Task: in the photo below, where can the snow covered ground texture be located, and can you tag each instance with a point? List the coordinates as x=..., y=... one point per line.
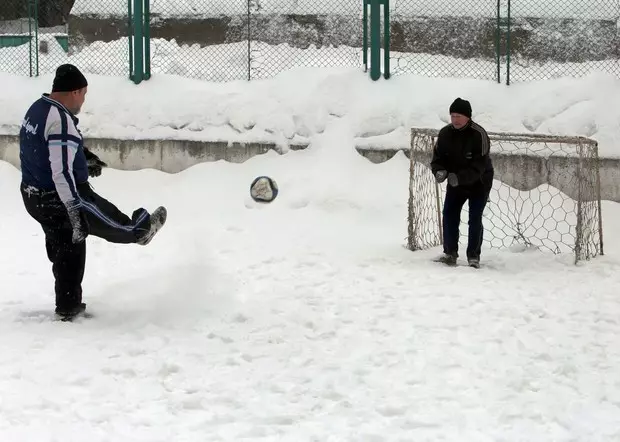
x=306, y=319
x=303, y=320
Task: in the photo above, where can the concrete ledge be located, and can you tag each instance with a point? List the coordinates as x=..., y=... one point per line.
x=172, y=156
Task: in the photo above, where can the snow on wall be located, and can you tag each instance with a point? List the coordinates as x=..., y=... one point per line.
x=584, y=9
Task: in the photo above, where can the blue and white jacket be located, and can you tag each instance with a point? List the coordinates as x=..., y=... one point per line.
x=51, y=150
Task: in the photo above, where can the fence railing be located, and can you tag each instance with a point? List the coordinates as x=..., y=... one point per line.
x=217, y=40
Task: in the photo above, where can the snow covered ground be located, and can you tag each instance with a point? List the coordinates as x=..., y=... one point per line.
x=303, y=320
x=306, y=319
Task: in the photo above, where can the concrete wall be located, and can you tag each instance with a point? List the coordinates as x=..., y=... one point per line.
x=172, y=156
x=540, y=39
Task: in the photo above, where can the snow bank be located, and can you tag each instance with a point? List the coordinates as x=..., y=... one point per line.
x=298, y=105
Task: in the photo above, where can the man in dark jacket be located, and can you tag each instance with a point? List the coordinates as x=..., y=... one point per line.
x=461, y=156
x=55, y=169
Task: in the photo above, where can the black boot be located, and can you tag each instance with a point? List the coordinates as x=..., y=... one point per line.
x=448, y=259
x=68, y=314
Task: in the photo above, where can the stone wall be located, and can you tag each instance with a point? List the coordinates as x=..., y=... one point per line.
x=560, y=40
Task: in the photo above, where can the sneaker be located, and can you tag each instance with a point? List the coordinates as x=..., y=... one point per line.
x=67, y=314
x=158, y=219
x=447, y=259
x=474, y=262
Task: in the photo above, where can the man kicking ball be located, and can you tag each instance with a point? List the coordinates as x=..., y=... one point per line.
x=55, y=169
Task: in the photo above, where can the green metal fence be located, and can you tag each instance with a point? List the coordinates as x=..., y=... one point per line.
x=38, y=35
x=549, y=39
x=234, y=40
x=505, y=40
x=443, y=38
x=223, y=40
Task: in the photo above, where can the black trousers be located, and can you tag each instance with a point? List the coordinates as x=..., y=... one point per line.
x=456, y=197
x=103, y=220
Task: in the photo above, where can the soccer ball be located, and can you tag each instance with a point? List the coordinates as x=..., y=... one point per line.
x=263, y=189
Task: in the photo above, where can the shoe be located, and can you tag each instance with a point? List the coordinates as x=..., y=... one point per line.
x=67, y=314
x=474, y=262
x=158, y=219
x=447, y=258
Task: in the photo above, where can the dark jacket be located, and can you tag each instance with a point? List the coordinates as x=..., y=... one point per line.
x=52, y=151
x=464, y=152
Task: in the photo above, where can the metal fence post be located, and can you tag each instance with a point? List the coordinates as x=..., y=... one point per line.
x=386, y=38
x=130, y=38
x=139, y=40
x=365, y=35
x=375, y=38
x=508, y=46
x=498, y=40
x=147, y=39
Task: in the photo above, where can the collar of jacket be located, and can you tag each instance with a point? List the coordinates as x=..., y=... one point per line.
x=61, y=106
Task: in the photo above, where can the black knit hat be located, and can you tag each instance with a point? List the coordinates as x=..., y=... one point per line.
x=68, y=78
x=460, y=106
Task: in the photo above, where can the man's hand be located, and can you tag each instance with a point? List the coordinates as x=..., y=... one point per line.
x=453, y=180
x=94, y=163
x=78, y=222
x=441, y=176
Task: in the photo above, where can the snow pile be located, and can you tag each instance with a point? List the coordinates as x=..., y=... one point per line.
x=298, y=105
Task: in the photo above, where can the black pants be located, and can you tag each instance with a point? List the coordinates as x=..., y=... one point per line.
x=455, y=199
x=68, y=260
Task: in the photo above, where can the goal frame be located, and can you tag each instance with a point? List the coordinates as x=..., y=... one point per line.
x=582, y=144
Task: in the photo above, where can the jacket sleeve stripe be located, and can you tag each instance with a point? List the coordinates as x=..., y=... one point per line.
x=484, y=139
x=62, y=152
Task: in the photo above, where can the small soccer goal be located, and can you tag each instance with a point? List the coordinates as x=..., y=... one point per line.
x=546, y=195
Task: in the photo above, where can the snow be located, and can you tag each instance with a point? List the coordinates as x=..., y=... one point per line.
x=307, y=319
x=584, y=9
x=277, y=109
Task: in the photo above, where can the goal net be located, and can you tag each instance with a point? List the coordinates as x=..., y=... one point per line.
x=545, y=195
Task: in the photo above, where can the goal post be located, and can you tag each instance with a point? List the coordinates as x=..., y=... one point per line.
x=546, y=194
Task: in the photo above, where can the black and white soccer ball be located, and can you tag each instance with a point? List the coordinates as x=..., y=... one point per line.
x=264, y=189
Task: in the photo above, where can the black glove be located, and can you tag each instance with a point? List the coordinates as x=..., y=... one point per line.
x=453, y=180
x=441, y=176
x=78, y=223
x=94, y=163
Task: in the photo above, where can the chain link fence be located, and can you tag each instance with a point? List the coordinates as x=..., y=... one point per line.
x=219, y=40
x=36, y=36
x=558, y=38
x=444, y=38
x=223, y=41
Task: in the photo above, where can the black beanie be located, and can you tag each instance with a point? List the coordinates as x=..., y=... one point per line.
x=68, y=78
x=460, y=106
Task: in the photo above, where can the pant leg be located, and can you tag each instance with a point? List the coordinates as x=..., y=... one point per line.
x=477, y=202
x=68, y=259
x=106, y=221
x=453, y=204
x=68, y=263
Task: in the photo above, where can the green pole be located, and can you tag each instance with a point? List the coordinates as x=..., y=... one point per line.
x=36, y=35
x=508, y=49
x=498, y=34
x=30, y=18
x=147, y=40
x=386, y=38
x=139, y=42
x=365, y=35
x=375, y=40
x=130, y=39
